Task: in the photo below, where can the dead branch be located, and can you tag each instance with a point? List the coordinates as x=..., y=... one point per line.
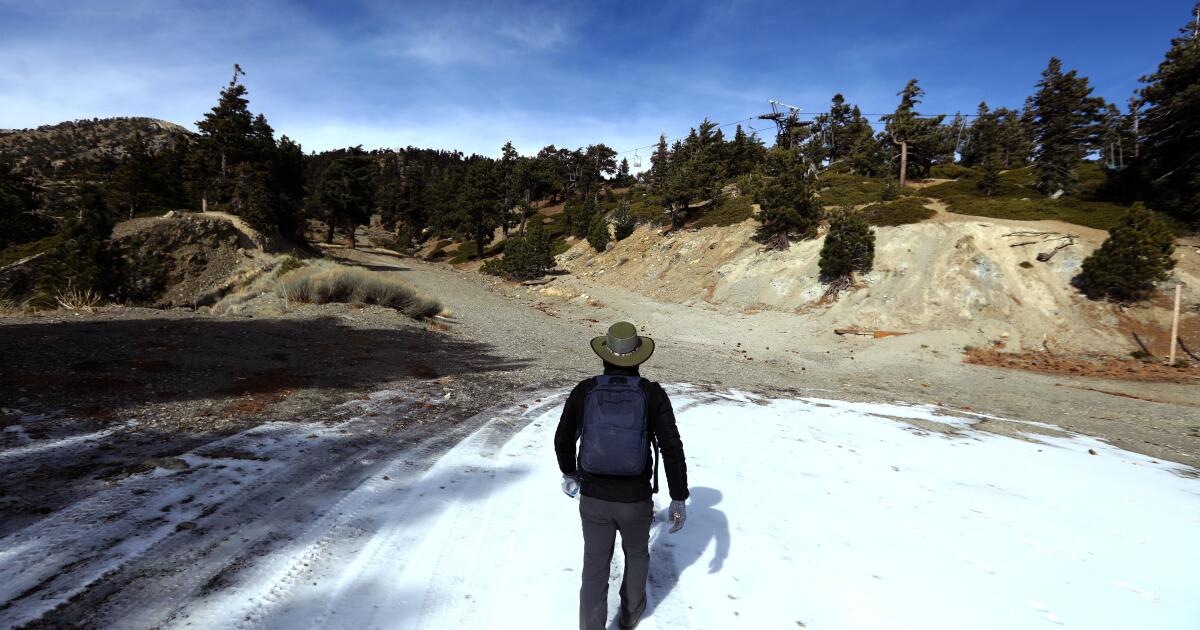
x=1186, y=350
x=1141, y=344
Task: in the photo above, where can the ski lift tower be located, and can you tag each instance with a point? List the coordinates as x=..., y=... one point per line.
x=786, y=118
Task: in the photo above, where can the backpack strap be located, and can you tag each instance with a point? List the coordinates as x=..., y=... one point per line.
x=654, y=445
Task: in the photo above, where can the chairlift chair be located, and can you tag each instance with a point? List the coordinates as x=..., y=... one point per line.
x=637, y=160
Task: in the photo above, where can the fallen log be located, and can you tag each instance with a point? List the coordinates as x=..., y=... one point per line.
x=875, y=334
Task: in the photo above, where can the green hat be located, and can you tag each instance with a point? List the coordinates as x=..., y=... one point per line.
x=622, y=346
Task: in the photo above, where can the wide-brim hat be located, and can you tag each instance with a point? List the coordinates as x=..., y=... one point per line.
x=622, y=346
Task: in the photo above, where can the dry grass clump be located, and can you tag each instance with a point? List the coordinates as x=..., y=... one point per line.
x=75, y=299
x=10, y=307
x=323, y=283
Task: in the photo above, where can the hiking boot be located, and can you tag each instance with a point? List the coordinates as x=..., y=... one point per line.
x=628, y=624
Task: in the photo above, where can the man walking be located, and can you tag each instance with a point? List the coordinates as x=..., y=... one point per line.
x=618, y=418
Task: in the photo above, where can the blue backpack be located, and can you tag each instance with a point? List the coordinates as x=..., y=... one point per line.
x=615, y=431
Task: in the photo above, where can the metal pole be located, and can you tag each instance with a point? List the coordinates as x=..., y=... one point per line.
x=1175, y=324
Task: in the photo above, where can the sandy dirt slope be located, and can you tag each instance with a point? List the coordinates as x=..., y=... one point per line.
x=960, y=275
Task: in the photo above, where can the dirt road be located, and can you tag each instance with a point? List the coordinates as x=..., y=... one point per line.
x=187, y=456
x=764, y=352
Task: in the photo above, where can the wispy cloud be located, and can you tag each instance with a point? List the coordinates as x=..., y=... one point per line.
x=471, y=75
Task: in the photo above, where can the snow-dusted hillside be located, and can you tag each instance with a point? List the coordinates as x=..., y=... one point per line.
x=805, y=513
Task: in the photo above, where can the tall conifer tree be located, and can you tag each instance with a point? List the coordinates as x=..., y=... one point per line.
x=1065, y=117
x=1170, y=126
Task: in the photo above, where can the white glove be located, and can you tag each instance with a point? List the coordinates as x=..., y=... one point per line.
x=570, y=486
x=677, y=514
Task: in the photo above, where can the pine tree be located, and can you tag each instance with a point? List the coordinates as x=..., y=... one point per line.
x=837, y=127
x=1136, y=255
x=227, y=136
x=983, y=138
x=344, y=194
x=867, y=155
x=1015, y=137
x=1065, y=117
x=659, y=161
x=480, y=208
x=598, y=236
x=19, y=219
x=623, y=178
x=137, y=185
x=511, y=184
x=1114, y=133
x=287, y=185
x=1170, y=127
x=787, y=202
x=85, y=259
x=236, y=164
x=679, y=187
x=989, y=182
x=918, y=139
x=849, y=247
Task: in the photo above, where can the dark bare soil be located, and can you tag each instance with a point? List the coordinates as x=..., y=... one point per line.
x=162, y=383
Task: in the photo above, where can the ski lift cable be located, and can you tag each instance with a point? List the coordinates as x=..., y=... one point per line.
x=797, y=112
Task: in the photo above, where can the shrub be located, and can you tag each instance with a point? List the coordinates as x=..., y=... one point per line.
x=951, y=171
x=899, y=212
x=404, y=241
x=597, y=235
x=466, y=251
x=323, y=283
x=578, y=215
x=890, y=190
x=647, y=208
x=1136, y=255
x=623, y=223
x=1016, y=198
x=526, y=257
x=730, y=211
x=848, y=190
x=560, y=246
x=849, y=247
x=290, y=263
x=989, y=182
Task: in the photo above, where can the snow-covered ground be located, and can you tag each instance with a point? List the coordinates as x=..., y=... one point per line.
x=804, y=513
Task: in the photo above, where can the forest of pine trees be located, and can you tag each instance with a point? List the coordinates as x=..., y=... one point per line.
x=1149, y=150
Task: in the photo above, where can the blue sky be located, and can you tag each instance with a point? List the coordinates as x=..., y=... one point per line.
x=469, y=76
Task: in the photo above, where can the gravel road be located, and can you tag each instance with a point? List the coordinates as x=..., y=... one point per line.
x=763, y=352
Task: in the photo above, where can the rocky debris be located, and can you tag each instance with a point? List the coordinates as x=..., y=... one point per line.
x=194, y=256
x=167, y=463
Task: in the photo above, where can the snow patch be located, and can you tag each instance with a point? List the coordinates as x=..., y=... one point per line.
x=814, y=512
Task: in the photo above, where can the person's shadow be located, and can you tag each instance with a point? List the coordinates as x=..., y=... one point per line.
x=672, y=554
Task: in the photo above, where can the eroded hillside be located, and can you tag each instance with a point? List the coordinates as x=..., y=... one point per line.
x=953, y=273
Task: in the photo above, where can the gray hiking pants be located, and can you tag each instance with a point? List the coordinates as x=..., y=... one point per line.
x=601, y=522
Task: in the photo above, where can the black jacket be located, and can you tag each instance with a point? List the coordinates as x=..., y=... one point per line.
x=662, y=427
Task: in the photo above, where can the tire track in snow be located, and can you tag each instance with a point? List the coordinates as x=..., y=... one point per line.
x=60, y=556
x=264, y=588
x=39, y=447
